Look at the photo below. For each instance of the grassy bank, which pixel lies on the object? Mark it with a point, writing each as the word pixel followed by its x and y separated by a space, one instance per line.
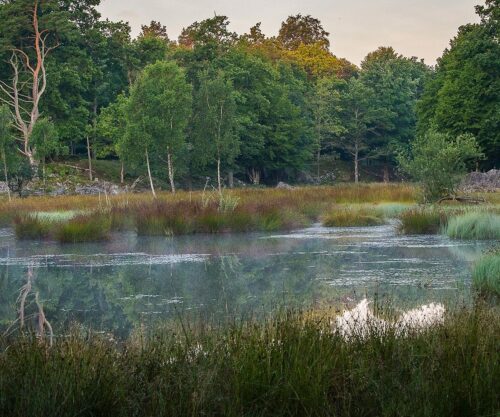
pixel 286 366
pixel 201 212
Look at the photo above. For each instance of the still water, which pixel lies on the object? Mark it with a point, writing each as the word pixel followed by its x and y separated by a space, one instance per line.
pixel 130 280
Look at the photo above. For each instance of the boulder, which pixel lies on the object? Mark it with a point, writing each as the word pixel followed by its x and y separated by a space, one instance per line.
pixel 284 186
pixel 481 181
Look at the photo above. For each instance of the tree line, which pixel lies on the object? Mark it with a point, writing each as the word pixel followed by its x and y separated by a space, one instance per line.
pixel 252 107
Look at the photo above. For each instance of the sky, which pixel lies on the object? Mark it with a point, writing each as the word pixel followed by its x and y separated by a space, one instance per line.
pixel 421 28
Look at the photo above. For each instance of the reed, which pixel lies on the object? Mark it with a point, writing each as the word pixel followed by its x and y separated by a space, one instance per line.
pixel 284 366
pixel 474 225
pixel 353 216
pixel 486 274
pixel 422 220
pixel 84 228
pixel 31 227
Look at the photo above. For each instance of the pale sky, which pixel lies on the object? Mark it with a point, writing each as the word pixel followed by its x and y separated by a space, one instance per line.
pixel 419 28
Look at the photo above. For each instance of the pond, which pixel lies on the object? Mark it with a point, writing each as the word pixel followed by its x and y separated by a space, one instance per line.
pixel 131 281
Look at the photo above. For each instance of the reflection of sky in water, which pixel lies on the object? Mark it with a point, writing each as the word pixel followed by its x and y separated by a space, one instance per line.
pixel 130 280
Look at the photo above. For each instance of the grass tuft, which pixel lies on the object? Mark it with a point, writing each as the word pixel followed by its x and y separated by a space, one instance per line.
pixel 486 274
pixel 474 225
pixel 353 216
pixel 31 227
pixel 422 220
pixel 85 228
pixel 285 366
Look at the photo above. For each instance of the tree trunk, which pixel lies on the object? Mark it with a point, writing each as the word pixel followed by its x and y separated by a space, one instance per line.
pixel 149 174
pixel 230 179
pixel 122 174
pixel 254 175
pixel 90 159
pixel 25 104
pixel 386 173
pixel 5 174
pixel 356 163
pixel 219 183
pixel 318 155
pixel 171 172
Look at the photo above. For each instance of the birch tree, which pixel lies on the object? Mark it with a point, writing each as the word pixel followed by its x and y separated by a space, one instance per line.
pixel 159 110
pixel 215 122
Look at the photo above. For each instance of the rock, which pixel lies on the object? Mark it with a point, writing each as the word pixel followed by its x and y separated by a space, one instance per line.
pixel 304 177
pixel 481 181
pixel 284 186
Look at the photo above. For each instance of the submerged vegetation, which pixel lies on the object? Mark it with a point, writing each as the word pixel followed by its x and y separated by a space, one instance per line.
pixel 292 365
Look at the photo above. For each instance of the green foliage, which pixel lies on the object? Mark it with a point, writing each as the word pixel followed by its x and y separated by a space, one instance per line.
pixel 289 365
pixel 474 225
pixel 439 162
pixel 463 96
pixel 158 111
pixel 111 128
pixel 215 129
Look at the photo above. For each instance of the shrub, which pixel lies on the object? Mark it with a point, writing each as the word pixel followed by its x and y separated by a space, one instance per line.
pixel 438 162
pixel 474 225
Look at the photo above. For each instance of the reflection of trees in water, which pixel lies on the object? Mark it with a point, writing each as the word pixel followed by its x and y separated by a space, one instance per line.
pixel 120 297
pixel 30 311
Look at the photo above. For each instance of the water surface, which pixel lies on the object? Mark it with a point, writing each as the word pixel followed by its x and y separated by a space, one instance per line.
pixel 131 281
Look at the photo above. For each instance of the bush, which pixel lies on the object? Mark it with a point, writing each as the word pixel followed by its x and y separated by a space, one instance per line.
pixel 439 162
pixel 474 225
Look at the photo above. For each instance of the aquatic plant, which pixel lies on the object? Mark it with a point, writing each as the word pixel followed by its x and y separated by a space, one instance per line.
pixel 352 216
pixel 474 225
pixel 486 274
pixel 422 220
pixel 84 228
pixel 31 227
pixel 287 365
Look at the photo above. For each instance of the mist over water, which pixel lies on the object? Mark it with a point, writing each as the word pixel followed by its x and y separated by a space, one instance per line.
pixel 131 281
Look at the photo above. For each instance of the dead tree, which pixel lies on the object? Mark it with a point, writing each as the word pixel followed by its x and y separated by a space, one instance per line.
pixel 28 84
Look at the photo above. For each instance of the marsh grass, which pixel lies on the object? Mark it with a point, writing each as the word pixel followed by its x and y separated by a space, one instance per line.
pixel 84 228
pixel 284 366
pixel 422 220
pixel 31 227
pixel 474 225
pixel 486 274
pixel 353 216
